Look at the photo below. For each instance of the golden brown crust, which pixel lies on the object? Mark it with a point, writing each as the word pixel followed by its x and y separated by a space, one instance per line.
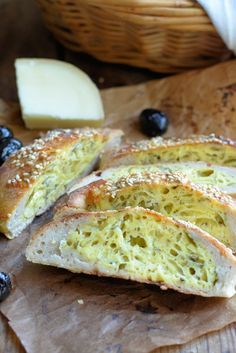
pixel 93 192
pixel 24 167
pixel 159 143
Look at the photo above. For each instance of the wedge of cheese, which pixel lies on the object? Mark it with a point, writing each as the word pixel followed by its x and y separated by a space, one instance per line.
pixel 138 244
pixel 56 94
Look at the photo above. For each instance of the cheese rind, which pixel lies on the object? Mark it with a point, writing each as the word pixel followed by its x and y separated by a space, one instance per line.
pixel 55 94
pixel 48 122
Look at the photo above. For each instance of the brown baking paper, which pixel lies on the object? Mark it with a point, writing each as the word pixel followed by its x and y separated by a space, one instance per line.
pixel 54 311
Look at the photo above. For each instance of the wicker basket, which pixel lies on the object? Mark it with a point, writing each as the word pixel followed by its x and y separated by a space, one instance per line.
pixel 162 35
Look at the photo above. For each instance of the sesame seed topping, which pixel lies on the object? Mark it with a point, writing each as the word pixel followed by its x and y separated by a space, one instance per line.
pixel 156 142
pixel 31 160
pixel 112 187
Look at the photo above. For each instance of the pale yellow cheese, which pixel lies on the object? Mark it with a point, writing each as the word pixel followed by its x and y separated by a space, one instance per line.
pixel 55 94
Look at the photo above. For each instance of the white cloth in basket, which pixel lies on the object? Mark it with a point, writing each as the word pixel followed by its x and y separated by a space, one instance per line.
pixel 223 15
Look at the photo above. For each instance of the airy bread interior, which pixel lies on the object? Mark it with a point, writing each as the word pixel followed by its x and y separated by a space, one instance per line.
pixel 169 194
pixel 137 244
pixel 70 163
pixel 223 155
pixel 64 166
pixel 211 149
pixel 201 173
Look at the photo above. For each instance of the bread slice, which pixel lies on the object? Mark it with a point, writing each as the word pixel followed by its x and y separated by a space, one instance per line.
pixel 211 149
pixel 170 194
pixel 224 178
pixel 138 244
pixel 33 178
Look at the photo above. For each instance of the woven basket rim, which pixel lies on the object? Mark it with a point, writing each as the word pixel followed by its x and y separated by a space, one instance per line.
pixel 162 35
pixel 175 4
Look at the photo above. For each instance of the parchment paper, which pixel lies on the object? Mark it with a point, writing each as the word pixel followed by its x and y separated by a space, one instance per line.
pixel 52 310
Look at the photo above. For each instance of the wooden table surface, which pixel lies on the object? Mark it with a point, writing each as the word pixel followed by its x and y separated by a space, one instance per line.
pixel 22 35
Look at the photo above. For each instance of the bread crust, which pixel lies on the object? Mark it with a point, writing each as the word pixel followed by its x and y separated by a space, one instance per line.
pixel 117 172
pixel 126 153
pixel 87 197
pixel 167 179
pixel 22 169
pixel 80 197
pixel 223 256
pixel 122 171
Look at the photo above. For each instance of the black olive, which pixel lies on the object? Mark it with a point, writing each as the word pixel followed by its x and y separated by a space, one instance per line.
pixel 5 285
pixel 5 133
pixel 7 147
pixel 153 122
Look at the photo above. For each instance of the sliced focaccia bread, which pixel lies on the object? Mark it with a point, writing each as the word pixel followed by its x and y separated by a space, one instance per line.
pixel 201 173
pixel 212 149
pixel 33 178
pixel 170 194
pixel 140 245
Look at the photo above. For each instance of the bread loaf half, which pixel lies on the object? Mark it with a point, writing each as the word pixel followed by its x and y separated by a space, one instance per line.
pixel 33 178
pixel 170 194
pixel 140 245
pixel 212 149
pixel 224 178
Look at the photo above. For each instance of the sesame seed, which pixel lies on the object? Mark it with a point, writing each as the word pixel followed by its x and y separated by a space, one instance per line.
pixel 112 187
pixel 157 142
pixel 31 160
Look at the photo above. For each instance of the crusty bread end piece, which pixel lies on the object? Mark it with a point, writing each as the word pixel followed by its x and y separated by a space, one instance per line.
pixel 141 245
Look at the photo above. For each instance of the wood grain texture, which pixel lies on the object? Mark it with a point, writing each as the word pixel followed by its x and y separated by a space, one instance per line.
pixel 22 34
